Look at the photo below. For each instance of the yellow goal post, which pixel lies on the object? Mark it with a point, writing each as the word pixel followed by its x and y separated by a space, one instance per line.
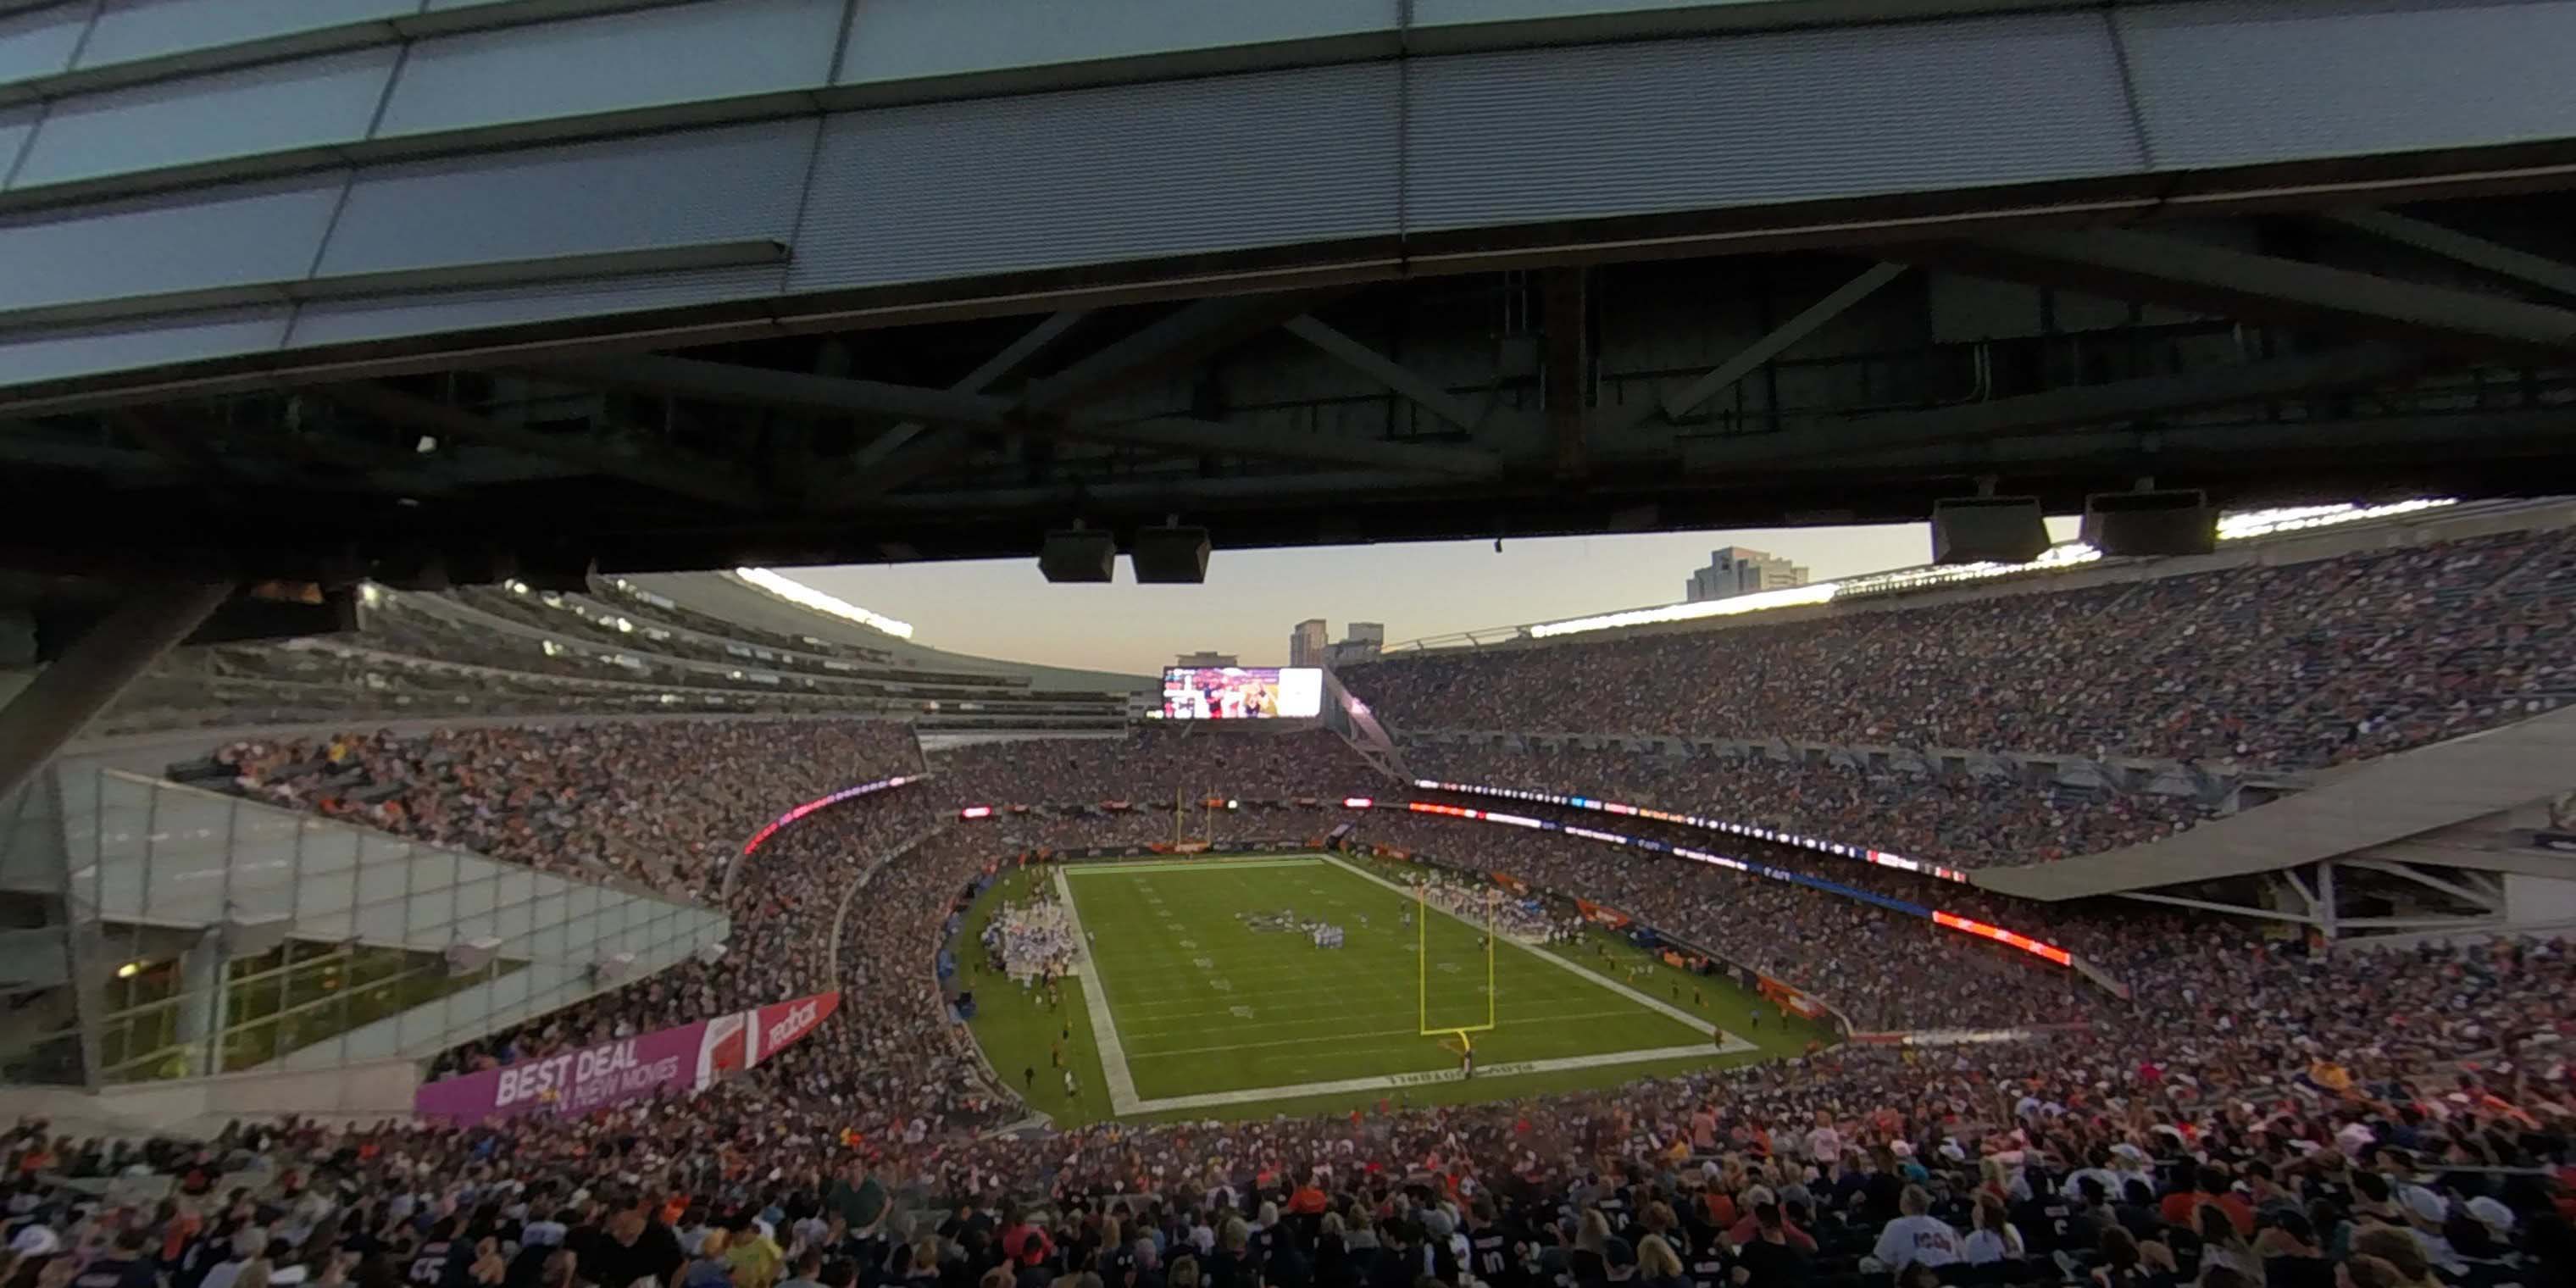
pixel 1422 970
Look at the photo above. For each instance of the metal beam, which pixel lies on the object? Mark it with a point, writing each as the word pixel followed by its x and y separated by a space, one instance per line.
pixel 2423 923
pixel 2466 859
pixel 2231 909
pixel 2459 247
pixel 1170 493
pixel 666 471
pixel 1384 370
pixel 790 390
pixel 1566 377
pixel 2172 270
pixel 2307 897
pixel 1174 342
pixel 795 391
pixel 2119 400
pixel 1746 361
pixel 943 450
pixel 2453 889
pixel 1184 435
pixel 1011 358
pixel 68 694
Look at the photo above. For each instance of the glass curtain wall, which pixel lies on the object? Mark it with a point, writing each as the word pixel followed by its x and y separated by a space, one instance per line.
pixel 162 931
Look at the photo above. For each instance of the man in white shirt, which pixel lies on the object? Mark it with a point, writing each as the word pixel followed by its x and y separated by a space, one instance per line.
pixel 1824 1144
pixel 1914 1236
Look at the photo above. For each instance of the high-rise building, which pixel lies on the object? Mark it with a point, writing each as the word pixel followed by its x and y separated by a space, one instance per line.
pixel 1735 570
pixel 1364 642
pixel 1306 642
pixel 1189 661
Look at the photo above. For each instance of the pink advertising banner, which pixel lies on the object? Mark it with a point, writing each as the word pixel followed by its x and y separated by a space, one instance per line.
pixel 682 1058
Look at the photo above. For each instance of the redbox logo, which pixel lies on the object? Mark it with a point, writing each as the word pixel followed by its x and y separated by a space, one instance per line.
pixel 798 1019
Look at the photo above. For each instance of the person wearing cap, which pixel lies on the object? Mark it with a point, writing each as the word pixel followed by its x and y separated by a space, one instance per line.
pixel 2287 1244
pixel 1915 1235
pixel 248 1243
pixel 2425 1213
pixel 537 1241
pixel 2491 1212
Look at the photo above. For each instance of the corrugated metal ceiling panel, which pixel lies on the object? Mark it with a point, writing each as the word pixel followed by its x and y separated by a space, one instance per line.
pixel 676 54
pixel 184 241
pixel 1742 120
pixel 1095 176
pixel 903 39
pixel 2238 82
pixel 657 190
pixel 256 110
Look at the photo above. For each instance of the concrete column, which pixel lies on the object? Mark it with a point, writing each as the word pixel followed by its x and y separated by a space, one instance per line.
pixel 2326 900
pixel 65 696
pixel 202 1002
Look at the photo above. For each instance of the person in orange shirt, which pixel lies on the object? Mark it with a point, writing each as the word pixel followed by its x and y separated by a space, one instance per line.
pixel 2209 1185
pixel 1721 1208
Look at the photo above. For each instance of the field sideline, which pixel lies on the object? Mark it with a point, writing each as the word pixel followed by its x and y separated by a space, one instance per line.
pixel 1184 1007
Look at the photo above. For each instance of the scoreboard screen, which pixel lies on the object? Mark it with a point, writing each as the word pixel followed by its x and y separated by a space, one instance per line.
pixel 1242 692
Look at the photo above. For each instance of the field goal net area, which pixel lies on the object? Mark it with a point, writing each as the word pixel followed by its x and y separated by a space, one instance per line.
pixel 1454 945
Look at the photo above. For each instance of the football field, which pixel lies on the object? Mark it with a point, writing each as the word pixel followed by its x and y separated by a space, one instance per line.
pixel 1200 992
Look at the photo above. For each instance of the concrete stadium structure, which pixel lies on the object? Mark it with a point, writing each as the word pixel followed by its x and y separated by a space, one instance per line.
pixel 896 279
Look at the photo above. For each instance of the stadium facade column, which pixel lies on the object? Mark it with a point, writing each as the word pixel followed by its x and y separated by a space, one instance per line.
pixel 203 1009
pixel 79 684
pixel 2326 899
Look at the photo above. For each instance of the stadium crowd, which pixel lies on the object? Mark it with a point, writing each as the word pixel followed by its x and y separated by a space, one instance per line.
pixel 2332 1108
pixel 666 802
pixel 2274 666
pixel 1153 765
pixel 1951 819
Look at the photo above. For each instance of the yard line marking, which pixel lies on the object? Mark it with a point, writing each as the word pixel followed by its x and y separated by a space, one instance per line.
pixel 1115 868
pixel 1569 1017
pixel 1252 1095
pixel 1095 1001
pixel 1696 1023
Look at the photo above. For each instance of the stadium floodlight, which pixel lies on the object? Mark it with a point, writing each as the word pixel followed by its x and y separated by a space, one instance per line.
pixel 1078 556
pixel 1988 529
pixel 2170 522
pixel 1170 556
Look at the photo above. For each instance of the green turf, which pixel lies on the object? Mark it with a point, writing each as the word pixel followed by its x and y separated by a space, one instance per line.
pixel 1205 1003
